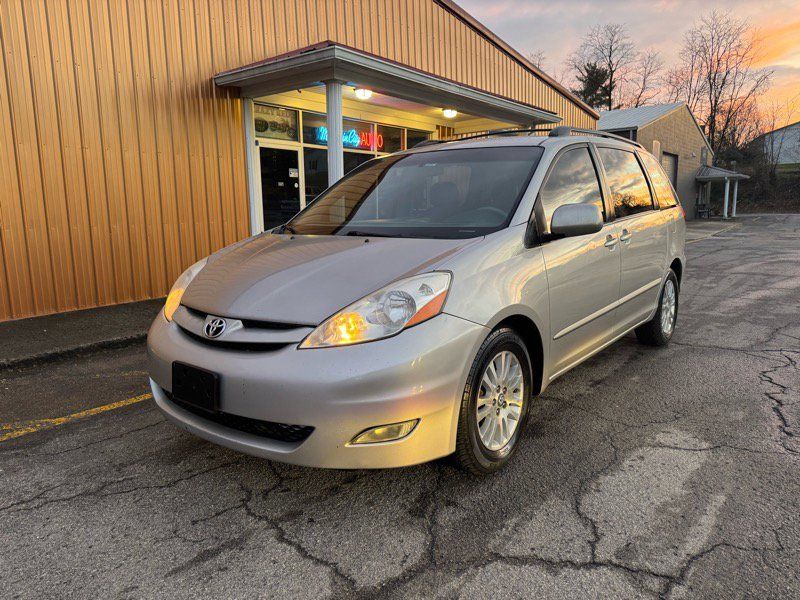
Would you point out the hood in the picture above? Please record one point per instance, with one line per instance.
(305, 279)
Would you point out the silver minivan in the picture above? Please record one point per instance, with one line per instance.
(418, 307)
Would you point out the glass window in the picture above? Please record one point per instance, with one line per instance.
(414, 137)
(389, 139)
(441, 194)
(573, 180)
(275, 123)
(664, 192)
(315, 161)
(629, 190)
(355, 159)
(315, 129)
(355, 134)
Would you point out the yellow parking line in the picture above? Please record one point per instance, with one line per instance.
(15, 430)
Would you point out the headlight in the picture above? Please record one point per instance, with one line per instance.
(383, 313)
(176, 293)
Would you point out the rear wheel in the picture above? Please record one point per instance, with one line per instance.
(658, 330)
(495, 403)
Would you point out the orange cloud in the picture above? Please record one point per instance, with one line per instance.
(780, 44)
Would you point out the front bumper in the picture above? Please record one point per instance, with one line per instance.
(418, 374)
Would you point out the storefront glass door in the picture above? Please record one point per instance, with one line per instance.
(280, 185)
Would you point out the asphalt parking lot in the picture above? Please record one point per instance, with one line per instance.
(644, 473)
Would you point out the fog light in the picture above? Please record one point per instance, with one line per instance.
(385, 433)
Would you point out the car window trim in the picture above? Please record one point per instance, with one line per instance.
(646, 178)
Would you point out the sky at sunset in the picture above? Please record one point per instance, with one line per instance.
(556, 26)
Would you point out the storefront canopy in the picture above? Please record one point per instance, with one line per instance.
(707, 173)
(334, 62)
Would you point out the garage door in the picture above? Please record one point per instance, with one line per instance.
(670, 164)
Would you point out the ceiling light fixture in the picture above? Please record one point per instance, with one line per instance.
(450, 113)
(363, 93)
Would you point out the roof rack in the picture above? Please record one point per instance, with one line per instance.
(566, 130)
(481, 135)
(560, 131)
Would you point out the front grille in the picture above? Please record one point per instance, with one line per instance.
(281, 432)
(252, 323)
(240, 346)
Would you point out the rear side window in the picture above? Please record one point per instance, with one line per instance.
(573, 180)
(629, 191)
(663, 188)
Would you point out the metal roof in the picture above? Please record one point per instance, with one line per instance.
(706, 173)
(633, 118)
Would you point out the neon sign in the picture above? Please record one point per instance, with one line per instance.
(351, 138)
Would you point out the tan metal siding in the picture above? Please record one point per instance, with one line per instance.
(121, 163)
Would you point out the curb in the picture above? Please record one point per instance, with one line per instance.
(91, 347)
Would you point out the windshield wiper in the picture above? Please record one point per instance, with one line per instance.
(355, 232)
(286, 227)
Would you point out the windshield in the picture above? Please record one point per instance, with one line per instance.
(440, 194)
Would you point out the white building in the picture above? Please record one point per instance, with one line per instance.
(782, 146)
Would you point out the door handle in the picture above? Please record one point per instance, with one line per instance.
(611, 241)
(626, 236)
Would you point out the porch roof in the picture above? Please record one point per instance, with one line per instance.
(329, 61)
(709, 173)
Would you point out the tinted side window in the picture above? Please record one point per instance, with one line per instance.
(629, 190)
(573, 180)
(663, 188)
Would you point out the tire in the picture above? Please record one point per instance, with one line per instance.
(472, 453)
(658, 330)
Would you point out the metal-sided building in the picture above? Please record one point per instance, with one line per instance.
(137, 137)
(672, 134)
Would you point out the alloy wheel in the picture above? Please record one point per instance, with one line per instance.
(668, 308)
(500, 400)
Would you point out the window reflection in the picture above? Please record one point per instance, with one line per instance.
(664, 192)
(572, 181)
(414, 137)
(389, 139)
(626, 181)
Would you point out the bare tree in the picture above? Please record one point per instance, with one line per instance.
(717, 76)
(686, 80)
(769, 129)
(609, 47)
(644, 82)
(537, 58)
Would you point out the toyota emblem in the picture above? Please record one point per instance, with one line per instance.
(215, 327)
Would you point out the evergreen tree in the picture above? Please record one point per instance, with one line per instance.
(594, 85)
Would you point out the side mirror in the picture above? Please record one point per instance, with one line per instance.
(576, 219)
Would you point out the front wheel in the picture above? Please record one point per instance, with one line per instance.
(495, 403)
(658, 330)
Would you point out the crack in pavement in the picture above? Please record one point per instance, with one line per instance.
(778, 404)
(118, 436)
(582, 484)
(578, 490)
(97, 492)
(342, 581)
(683, 574)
